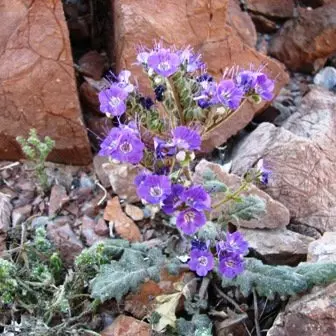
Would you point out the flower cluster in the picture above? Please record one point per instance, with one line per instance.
(161, 133)
(230, 253)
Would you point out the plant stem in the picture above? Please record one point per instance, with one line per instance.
(204, 287)
(177, 100)
(256, 314)
(232, 196)
(227, 298)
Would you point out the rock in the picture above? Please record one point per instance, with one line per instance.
(200, 24)
(92, 64)
(323, 249)
(283, 9)
(142, 303)
(121, 176)
(326, 78)
(5, 219)
(65, 241)
(303, 173)
(315, 3)
(89, 98)
(38, 87)
(316, 119)
(58, 197)
(98, 162)
(61, 174)
(20, 214)
(311, 315)
(101, 228)
(278, 247)
(88, 231)
(123, 225)
(40, 222)
(263, 24)
(241, 22)
(275, 216)
(99, 128)
(127, 326)
(305, 43)
(134, 212)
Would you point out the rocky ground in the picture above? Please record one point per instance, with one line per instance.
(296, 42)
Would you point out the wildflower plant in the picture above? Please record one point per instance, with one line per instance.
(37, 152)
(161, 133)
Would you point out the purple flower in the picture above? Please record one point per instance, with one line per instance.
(123, 144)
(190, 220)
(233, 244)
(246, 80)
(231, 265)
(146, 102)
(113, 100)
(163, 148)
(186, 138)
(172, 202)
(264, 172)
(196, 197)
(208, 93)
(199, 245)
(154, 188)
(159, 92)
(123, 81)
(192, 60)
(164, 62)
(264, 87)
(229, 94)
(201, 261)
(141, 177)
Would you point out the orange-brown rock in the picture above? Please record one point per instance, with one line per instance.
(37, 82)
(122, 224)
(272, 8)
(305, 43)
(127, 326)
(201, 24)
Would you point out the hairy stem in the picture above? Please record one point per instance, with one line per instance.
(177, 100)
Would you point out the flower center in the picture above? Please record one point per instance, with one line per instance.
(114, 101)
(126, 147)
(164, 66)
(203, 261)
(189, 217)
(156, 191)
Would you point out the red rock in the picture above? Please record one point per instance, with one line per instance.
(88, 231)
(305, 43)
(313, 314)
(37, 82)
(101, 228)
(263, 24)
(272, 8)
(123, 225)
(242, 23)
(89, 98)
(127, 326)
(58, 197)
(92, 64)
(65, 241)
(201, 24)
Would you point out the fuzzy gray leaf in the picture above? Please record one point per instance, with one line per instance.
(251, 207)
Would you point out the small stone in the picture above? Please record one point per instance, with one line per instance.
(326, 78)
(86, 182)
(88, 231)
(134, 212)
(101, 228)
(279, 246)
(58, 197)
(92, 64)
(127, 326)
(121, 176)
(19, 215)
(5, 213)
(65, 241)
(123, 225)
(323, 249)
(40, 222)
(98, 162)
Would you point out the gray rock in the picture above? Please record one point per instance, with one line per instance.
(280, 246)
(41, 221)
(58, 197)
(326, 78)
(98, 162)
(323, 249)
(19, 215)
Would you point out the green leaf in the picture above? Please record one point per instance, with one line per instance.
(249, 207)
(209, 231)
